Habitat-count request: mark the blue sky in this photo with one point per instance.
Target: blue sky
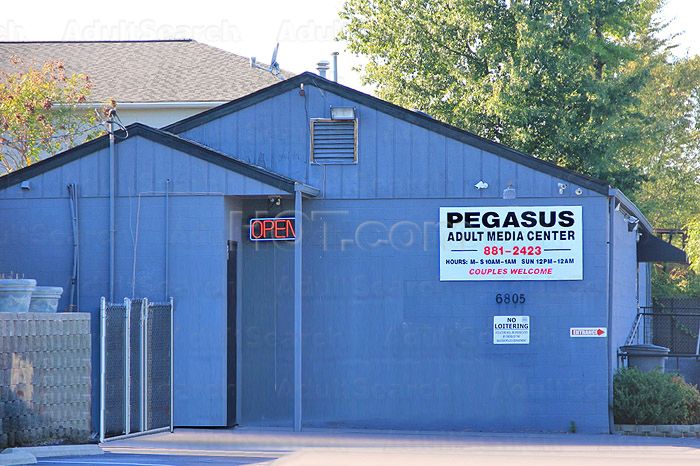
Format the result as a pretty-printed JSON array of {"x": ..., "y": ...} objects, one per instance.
[{"x": 306, "y": 30}]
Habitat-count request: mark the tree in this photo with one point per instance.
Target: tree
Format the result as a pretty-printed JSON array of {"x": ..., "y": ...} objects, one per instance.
[
  {"x": 588, "y": 84},
  {"x": 670, "y": 148},
  {"x": 39, "y": 113},
  {"x": 670, "y": 195},
  {"x": 556, "y": 79}
]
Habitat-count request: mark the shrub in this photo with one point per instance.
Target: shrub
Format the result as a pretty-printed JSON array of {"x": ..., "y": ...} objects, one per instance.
[{"x": 654, "y": 398}]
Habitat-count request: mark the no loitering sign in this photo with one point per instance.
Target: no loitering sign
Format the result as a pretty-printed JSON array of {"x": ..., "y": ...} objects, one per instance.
[{"x": 511, "y": 330}]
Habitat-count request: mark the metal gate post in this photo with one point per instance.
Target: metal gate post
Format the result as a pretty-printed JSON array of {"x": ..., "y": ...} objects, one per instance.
[
  {"x": 141, "y": 427},
  {"x": 103, "y": 375},
  {"x": 127, "y": 365},
  {"x": 172, "y": 366},
  {"x": 144, "y": 365}
]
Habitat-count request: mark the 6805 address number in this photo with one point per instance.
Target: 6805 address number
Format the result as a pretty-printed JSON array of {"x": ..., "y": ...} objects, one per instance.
[{"x": 510, "y": 298}]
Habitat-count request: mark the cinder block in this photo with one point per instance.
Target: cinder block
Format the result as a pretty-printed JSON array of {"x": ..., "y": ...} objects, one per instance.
[{"x": 51, "y": 348}]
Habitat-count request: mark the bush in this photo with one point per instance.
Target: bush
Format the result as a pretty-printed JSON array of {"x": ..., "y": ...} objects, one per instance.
[{"x": 654, "y": 398}]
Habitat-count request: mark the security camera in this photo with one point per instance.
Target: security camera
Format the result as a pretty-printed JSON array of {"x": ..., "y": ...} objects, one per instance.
[
  {"x": 562, "y": 187},
  {"x": 481, "y": 185},
  {"x": 632, "y": 219}
]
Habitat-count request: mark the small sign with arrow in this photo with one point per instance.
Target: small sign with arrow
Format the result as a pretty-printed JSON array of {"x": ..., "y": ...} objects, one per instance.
[{"x": 590, "y": 332}]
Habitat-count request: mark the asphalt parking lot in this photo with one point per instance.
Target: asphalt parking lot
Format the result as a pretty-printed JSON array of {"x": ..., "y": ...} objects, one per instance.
[
  {"x": 121, "y": 459},
  {"x": 193, "y": 447}
]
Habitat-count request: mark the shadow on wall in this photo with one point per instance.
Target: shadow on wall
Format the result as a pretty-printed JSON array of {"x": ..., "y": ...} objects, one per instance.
[{"x": 44, "y": 379}]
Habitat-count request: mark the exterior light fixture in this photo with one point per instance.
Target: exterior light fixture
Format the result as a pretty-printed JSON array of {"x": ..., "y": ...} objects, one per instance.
[
  {"x": 632, "y": 223},
  {"x": 509, "y": 192},
  {"x": 343, "y": 113}
]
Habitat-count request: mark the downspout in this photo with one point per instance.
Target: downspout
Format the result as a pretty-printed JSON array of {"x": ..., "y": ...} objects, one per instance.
[
  {"x": 167, "y": 239},
  {"x": 110, "y": 126},
  {"x": 297, "y": 306},
  {"x": 611, "y": 251},
  {"x": 74, "y": 288}
]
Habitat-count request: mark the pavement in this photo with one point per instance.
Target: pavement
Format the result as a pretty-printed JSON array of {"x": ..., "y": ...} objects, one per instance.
[
  {"x": 112, "y": 459},
  {"x": 244, "y": 446},
  {"x": 30, "y": 455}
]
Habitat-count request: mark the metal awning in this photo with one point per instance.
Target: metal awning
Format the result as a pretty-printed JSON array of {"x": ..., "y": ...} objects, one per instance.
[{"x": 653, "y": 249}]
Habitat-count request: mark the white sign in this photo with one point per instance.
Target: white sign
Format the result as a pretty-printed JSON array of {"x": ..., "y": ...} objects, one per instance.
[
  {"x": 511, "y": 330},
  {"x": 588, "y": 332},
  {"x": 511, "y": 243}
]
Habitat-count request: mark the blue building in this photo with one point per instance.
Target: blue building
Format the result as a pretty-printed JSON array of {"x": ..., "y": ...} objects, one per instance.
[{"x": 442, "y": 281}]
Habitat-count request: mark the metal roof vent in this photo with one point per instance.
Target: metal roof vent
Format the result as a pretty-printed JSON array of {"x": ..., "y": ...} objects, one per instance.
[
  {"x": 333, "y": 141},
  {"x": 323, "y": 66}
]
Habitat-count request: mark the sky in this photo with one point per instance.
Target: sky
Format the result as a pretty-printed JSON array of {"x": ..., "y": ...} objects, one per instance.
[{"x": 306, "y": 29}]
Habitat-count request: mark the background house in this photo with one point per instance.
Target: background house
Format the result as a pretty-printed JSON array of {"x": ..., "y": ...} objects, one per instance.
[{"x": 155, "y": 82}]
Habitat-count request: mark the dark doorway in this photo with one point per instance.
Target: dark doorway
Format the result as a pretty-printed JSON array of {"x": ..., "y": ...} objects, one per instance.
[{"x": 232, "y": 271}]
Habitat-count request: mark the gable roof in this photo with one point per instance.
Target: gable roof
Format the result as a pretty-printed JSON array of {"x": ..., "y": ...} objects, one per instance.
[
  {"x": 167, "y": 139},
  {"x": 416, "y": 118},
  {"x": 148, "y": 70}
]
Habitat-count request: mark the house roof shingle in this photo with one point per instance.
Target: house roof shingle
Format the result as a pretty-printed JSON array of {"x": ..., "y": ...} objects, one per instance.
[{"x": 180, "y": 70}]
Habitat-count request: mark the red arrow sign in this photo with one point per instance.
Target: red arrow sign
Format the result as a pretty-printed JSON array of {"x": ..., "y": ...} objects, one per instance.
[{"x": 596, "y": 332}]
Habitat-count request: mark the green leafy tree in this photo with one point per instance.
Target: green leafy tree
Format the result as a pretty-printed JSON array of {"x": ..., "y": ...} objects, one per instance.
[
  {"x": 670, "y": 195},
  {"x": 669, "y": 154},
  {"x": 556, "y": 79},
  {"x": 588, "y": 84},
  {"x": 39, "y": 113}
]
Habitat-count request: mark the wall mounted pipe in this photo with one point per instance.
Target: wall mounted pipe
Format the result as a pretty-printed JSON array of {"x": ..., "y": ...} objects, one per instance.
[
  {"x": 112, "y": 174},
  {"x": 167, "y": 238},
  {"x": 611, "y": 250},
  {"x": 75, "y": 224},
  {"x": 297, "y": 307}
]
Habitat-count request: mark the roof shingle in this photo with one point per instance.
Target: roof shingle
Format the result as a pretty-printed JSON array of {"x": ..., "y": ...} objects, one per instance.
[{"x": 147, "y": 71}]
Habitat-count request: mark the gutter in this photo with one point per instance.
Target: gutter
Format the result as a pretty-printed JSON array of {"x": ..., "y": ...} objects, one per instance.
[
  {"x": 628, "y": 207},
  {"x": 157, "y": 105},
  {"x": 306, "y": 189}
]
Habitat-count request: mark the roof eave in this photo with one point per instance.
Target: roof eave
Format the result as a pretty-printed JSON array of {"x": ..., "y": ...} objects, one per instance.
[
  {"x": 630, "y": 208},
  {"x": 168, "y": 139}
]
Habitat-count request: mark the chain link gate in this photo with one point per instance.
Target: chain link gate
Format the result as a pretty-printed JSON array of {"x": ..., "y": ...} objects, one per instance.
[{"x": 136, "y": 368}]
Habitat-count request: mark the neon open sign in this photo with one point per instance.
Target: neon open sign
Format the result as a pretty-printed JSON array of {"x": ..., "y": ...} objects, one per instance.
[{"x": 272, "y": 229}]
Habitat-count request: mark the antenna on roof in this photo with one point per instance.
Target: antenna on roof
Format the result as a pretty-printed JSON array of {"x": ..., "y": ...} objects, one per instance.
[{"x": 273, "y": 68}]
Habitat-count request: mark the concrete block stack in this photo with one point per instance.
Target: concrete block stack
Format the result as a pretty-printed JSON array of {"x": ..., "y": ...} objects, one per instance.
[{"x": 44, "y": 378}]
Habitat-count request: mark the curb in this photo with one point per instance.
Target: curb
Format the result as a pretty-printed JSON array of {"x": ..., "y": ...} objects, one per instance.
[
  {"x": 56, "y": 450},
  {"x": 268, "y": 454},
  {"x": 17, "y": 457}
]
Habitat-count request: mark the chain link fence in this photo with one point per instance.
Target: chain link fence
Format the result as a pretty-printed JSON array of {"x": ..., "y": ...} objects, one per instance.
[
  {"x": 136, "y": 367},
  {"x": 114, "y": 319}
]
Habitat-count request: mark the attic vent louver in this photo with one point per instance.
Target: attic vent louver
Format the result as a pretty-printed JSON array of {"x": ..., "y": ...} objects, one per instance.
[{"x": 333, "y": 141}]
